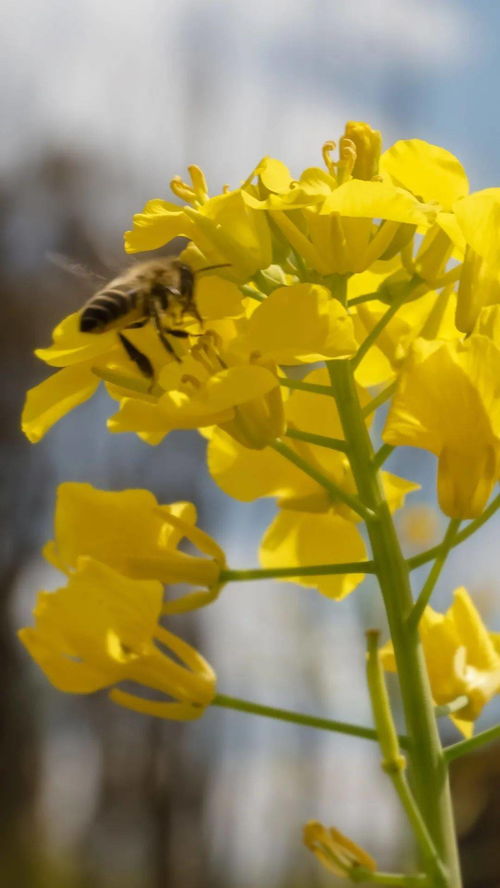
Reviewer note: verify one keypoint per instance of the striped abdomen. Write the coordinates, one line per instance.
(104, 308)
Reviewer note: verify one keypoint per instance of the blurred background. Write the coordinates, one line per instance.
(103, 102)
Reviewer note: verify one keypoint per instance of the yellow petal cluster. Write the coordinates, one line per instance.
(102, 629)
(463, 658)
(133, 534)
(312, 525)
(448, 402)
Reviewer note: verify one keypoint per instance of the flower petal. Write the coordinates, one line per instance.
(303, 538)
(428, 171)
(47, 402)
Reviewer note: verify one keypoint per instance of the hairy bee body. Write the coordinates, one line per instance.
(160, 291)
(146, 290)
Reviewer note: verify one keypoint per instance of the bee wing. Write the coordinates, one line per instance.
(74, 268)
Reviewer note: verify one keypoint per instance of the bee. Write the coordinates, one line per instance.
(159, 290)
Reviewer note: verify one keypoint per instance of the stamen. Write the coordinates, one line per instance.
(182, 189)
(347, 159)
(327, 149)
(200, 187)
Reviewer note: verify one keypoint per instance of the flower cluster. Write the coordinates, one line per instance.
(118, 550)
(302, 304)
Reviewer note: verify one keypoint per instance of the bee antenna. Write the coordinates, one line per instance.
(212, 267)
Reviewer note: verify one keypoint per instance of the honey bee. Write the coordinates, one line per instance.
(159, 290)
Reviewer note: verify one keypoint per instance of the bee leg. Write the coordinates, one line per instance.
(143, 362)
(181, 334)
(155, 317)
(137, 324)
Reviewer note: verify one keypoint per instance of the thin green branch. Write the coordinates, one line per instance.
(434, 574)
(449, 708)
(366, 297)
(247, 290)
(382, 454)
(313, 570)
(430, 554)
(379, 399)
(336, 492)
(376, 331)
(311, 721)
(465, 746)
(315, 388)
(320, 440)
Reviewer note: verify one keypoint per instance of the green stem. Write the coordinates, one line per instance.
(393, 763)
(434, 573)
(252, 293)
(465, 746)
(376, 331)
(336, 492)
(313, 570)
(380, 399)
(450, 708)
(428, 768)
(382, 454)
(320, 440)
(366, 297)
(424, 557)
(297, 718)
(315, 388)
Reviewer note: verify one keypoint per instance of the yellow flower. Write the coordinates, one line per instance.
(305, 538)
(313, 526)
(344, 220)
(429, 172)
(129, 531)
(102, 628)
(247, 475)
(448, 402)
(203, 390)
(84, 358)
(339, 854)
(478, 217)
(230, 379)
(432, 316)
(462, 658)
(223, 228)
(298, 324)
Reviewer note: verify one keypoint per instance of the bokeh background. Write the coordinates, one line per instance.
(103, 102)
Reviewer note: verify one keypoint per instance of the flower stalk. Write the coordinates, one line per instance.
(298, 718)
(428, 771)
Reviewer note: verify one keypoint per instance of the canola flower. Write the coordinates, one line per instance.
(371, 280)
(102, 628)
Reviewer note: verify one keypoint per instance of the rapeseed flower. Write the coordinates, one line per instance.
(230, 379)
(313, 526)
(462, 657)
(102, 629)
(339, 221)
(448, 402)
(132, 533)
(224, 229)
